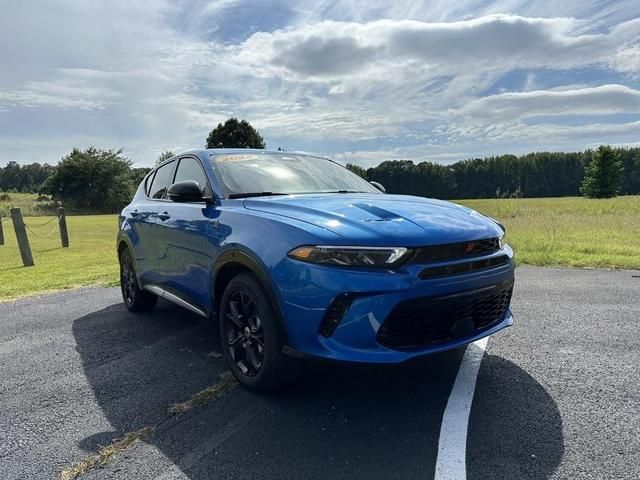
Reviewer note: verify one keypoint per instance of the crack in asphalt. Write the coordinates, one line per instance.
(105, 453)
(212, 393)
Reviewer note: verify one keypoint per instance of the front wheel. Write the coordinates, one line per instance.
(135, 299)
(251, 337)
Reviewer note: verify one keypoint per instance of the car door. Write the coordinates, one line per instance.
(143, 221)
(186, 254)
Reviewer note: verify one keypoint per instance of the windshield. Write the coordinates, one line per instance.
(283, 173)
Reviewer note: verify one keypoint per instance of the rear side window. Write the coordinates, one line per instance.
(190, 169)
(161, 181)
(147, 184)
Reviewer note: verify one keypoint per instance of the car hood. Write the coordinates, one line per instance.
(382, 219)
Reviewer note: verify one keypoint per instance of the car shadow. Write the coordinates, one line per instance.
(515, 428)
(337, 421)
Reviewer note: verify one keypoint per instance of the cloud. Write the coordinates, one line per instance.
(496, 42)
(602, 100)
(317, 56)
(628, 60)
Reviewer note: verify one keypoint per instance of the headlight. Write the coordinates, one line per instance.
(504, 229)
(501, 241)
(382, 257)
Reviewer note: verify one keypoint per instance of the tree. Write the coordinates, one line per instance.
(235, 134)
(92, 180)
(11, 177)
(166, 155)
(24, 178)
(358, 170)
(602, 176)
(137, 174)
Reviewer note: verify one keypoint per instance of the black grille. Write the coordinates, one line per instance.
(451, 251)
(466, 267)
(431, 320)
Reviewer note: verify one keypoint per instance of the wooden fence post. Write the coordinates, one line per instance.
(62, 223)
(1, 231)
(21, 236)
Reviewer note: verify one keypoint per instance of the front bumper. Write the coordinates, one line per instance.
(306, 291)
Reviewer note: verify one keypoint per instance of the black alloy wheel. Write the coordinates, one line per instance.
(252, 336)
(244, 333)
(135, 299)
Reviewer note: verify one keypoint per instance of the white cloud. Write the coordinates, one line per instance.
(602, 100)
(628, 60)
(497, 42)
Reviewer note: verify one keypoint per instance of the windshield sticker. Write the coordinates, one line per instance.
(235, 158)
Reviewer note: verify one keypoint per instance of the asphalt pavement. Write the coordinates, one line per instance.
(557, 395)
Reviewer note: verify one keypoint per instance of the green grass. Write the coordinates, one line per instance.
(28, 203)
(89, 260)
(572, 231)
(543, 231)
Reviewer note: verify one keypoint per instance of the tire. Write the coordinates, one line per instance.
(135, 299)
(252, 337)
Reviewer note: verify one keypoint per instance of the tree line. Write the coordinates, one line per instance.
(24, 178)
(103, 181)
(539, 174)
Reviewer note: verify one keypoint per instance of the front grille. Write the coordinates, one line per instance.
(428, 321)
(452, 251)
(466, 267)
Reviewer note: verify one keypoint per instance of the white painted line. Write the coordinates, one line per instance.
(452, 446)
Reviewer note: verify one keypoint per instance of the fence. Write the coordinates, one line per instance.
(21, 228)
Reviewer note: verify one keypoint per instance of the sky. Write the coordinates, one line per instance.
(359, 81)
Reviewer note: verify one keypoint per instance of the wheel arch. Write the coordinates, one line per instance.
(233, 262)
(123, 242)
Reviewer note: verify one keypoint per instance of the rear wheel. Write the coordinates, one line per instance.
(251, 337)
(135, 299)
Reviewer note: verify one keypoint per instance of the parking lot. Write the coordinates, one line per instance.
(556, 396)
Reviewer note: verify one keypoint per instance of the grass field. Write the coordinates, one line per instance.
(28, 203)
(89, 260)
(571, 231)
(543, 231)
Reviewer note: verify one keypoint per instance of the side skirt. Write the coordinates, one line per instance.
(172, 297)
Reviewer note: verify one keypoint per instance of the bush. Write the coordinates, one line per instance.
(5, 197)
(46, 208)
(93, 180)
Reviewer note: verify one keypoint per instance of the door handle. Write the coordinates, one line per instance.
(134, 213)
(164, 216)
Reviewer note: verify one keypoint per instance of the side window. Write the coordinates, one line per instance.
(161, 181)
(190, 169)
(147, 184)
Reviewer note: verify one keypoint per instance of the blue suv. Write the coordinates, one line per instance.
(297, 257)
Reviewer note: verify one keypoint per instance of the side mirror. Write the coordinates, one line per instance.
(378, 186)
(185, 191)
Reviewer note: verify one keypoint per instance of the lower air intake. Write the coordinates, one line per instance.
(335, 312)
(425, 321)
